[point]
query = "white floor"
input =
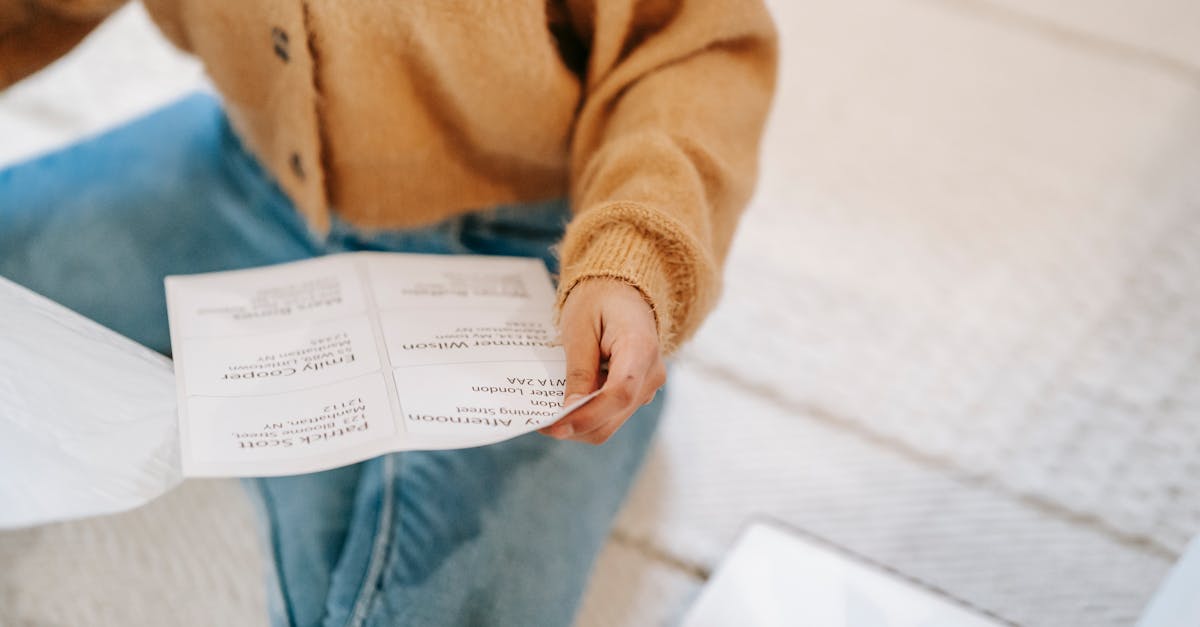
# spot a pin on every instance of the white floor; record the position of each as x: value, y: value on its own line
x: 958, y: 337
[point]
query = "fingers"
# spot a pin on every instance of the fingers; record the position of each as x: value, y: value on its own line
x: 636, y: 371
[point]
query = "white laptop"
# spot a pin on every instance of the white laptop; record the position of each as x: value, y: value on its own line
x: 774, y: 578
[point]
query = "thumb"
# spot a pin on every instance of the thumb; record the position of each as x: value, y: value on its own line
x: 583, y: 369
x: 583, y: 363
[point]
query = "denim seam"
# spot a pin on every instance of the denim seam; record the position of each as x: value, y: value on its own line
x: 380, y: 545
x: 265, y: 503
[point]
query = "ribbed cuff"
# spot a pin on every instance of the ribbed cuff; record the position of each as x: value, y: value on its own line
x: 645, y: 249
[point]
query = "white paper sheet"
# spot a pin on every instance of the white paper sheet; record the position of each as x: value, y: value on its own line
x: 87, y: 417
x: 315, y: 364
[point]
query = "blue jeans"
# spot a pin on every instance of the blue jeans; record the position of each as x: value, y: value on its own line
x: 497, y: 535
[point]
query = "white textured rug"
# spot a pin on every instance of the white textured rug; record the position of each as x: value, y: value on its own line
x: 991, y: 259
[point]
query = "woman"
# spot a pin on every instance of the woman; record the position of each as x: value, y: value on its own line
x: 615, y: 139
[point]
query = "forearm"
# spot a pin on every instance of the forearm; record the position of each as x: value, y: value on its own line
x: 665, y: 155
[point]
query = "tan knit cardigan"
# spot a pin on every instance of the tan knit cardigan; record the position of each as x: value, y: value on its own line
x: 395, y: 113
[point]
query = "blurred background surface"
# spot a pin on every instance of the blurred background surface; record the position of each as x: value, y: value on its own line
x: 958, y: 338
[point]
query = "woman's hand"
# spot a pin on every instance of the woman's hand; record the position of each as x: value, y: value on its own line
x: 607, y: 319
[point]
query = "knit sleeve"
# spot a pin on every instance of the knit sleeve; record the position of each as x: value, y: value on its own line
x: 664, y: 152
x: 33, y: 33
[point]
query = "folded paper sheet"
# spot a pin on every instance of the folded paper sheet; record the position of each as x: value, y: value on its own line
x: 279, y: 370
x: 87, y: 417
x: 314, y: 364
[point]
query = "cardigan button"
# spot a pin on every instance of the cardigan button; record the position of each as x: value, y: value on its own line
x: 297, y: 166
x: 279, y: 38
